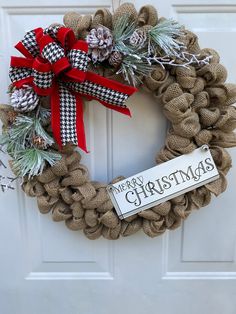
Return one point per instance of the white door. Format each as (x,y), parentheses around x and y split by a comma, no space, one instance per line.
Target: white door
(46,268)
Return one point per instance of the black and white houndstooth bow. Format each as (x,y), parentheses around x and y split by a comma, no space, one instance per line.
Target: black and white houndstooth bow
(55,64)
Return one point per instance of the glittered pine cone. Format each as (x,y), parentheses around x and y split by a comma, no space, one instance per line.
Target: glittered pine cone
(24,99)
(115,58)
(100,42)
(139,38)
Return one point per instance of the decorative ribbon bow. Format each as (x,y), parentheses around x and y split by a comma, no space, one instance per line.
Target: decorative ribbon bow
(56,64)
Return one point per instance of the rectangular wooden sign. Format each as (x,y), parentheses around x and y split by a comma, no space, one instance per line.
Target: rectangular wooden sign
(163,182)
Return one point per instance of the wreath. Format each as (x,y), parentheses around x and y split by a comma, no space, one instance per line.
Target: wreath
(107,57)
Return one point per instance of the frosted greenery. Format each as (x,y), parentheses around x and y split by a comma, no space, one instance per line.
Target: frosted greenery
(164,37)
(17,139)
(32,161)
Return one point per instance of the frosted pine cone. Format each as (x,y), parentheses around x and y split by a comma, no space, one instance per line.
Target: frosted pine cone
(138,38)
(39,142)
(100,42)
(115,58)
(24,99)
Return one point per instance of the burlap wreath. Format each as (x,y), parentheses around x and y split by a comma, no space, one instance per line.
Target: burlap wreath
(198,105)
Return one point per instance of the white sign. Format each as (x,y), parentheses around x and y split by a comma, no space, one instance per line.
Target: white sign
(163,182)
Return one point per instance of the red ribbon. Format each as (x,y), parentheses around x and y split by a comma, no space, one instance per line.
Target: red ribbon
(56,64)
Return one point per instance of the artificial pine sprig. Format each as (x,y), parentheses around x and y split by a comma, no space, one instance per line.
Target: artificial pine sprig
(25,127)
(28,159)
(164,38)
(133,65)
(122,32)
(32,161)
(133,68)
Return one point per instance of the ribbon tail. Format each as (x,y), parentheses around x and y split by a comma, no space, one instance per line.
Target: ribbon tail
(80,130)
(67,117)
(55,115)
(123,110)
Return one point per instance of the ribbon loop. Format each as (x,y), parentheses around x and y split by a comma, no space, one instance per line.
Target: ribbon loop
(43,77)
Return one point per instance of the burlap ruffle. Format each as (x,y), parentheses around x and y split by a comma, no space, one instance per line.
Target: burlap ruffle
(196,101)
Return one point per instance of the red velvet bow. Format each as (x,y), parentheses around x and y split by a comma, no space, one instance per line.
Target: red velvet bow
(56,64)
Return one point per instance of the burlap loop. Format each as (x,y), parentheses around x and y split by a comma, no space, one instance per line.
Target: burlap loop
(112,233)
(218,186)
(213,73)
(227,120)
(77,210)
(79,24)
(201,100)
(75,223)
(110,219)
(126,9)
(102,17)
(156,78)
(153,228)
(209,116)
(186,77)
(198,87)
(179,144)
(93,232)
(129,228)
(199,197)
(60,168)
(45,203)
(66,194)
(221,158)
(76,177)
(61,211)
(96,201)
(180,205)
(191,42)
(163,208)
(46,176)
(173,91)
(147,16)
(52,187)
(223,139)
(87,191)
(215,58)
(33,188)
(91,217)
(179,108)
(4,113)
(71,20)
(172,221)
(149,214)
(203,137)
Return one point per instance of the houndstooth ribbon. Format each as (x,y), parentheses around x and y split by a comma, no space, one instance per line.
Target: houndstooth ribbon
(55,64)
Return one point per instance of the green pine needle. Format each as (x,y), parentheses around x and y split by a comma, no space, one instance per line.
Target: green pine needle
(17,139)
(122,31)
(22,128)
(43,115)
(165,36)
(13,146)
(31,162)
(25,127)
(133,68)
(39,130)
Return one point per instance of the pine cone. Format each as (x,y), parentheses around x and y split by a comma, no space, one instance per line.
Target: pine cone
(24,99)
(138,38)
(39,142)
(100,42)
(115,58)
